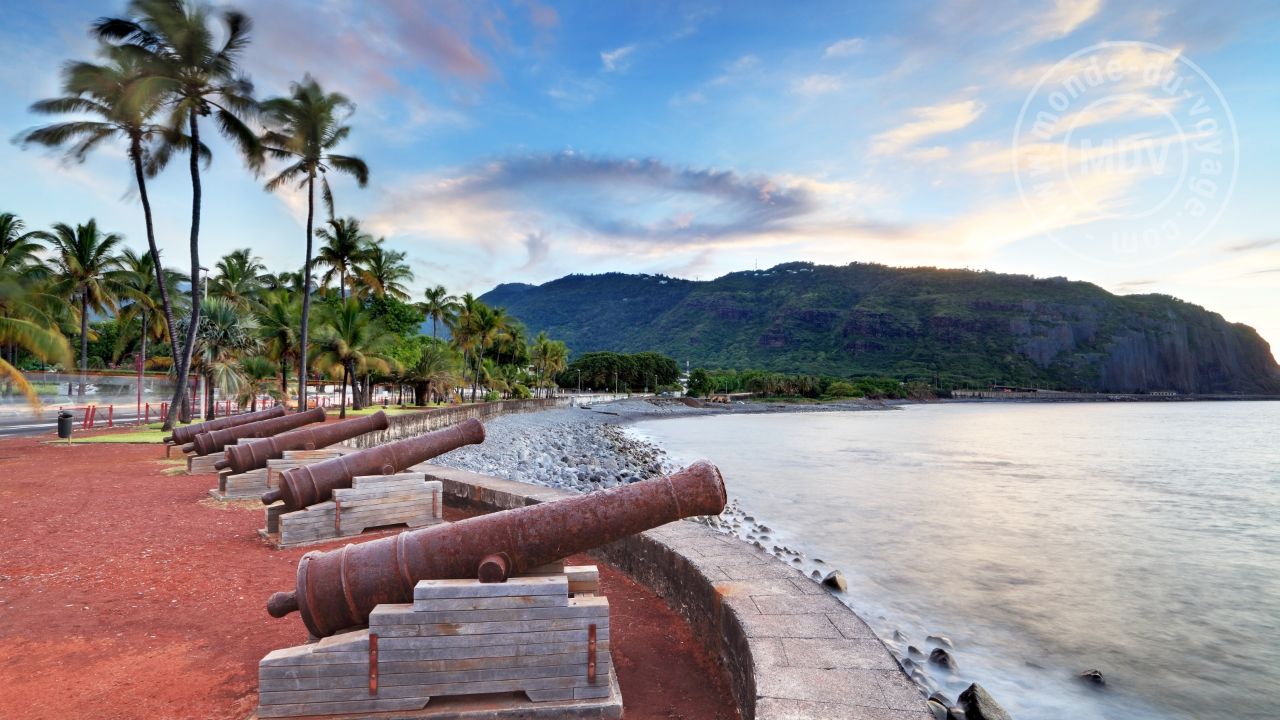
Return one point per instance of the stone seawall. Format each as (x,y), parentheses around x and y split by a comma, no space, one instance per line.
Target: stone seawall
(791,650)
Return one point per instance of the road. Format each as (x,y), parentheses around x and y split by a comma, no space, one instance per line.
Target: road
(13,425)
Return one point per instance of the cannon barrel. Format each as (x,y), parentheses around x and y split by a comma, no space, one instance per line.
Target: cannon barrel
(339,588)
(184,433)
(211,442)
(314,483)
(253,455)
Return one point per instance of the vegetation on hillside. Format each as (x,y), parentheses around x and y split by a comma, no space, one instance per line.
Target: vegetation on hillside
(947,328)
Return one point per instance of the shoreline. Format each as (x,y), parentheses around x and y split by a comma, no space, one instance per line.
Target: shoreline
(587,448)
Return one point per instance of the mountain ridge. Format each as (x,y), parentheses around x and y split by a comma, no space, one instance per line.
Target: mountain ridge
(965,327)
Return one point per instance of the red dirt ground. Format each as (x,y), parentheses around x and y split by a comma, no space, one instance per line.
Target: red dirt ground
(127,593)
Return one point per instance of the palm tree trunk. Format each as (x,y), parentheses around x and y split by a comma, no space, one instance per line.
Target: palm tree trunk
(342,411)
(84,339)
(135,152)
(209,410)
(189,344)
(342,285)
(355,389)
(306,296)
(284,377)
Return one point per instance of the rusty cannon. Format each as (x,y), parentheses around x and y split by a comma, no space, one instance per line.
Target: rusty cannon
(211,442)
(184,434)
(311,484)
(253,455)
(339,588)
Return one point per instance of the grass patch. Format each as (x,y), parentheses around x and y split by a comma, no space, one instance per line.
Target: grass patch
(148,436)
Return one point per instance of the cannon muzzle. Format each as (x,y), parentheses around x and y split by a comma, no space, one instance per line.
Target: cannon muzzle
(211,442)
(339,588)
(185,433)
(253,455)
(314,483)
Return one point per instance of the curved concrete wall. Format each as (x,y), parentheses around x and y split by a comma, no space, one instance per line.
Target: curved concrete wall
(792,651)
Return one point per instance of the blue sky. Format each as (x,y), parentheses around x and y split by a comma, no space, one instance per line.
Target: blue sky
(521,141)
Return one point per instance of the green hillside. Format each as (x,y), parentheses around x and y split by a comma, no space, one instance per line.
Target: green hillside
(964,327)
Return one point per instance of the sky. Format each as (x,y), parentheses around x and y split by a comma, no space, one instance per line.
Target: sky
(1130,144)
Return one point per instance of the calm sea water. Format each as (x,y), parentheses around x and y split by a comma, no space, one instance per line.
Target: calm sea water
(1140,539)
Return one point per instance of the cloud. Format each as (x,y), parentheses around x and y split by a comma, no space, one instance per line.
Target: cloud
(844,48)
(1251,245)
(616,60)
(818,84)
(930,121)
(1063,19)
(538,247)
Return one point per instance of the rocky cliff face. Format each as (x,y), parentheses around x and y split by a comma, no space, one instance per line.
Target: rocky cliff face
(962,327)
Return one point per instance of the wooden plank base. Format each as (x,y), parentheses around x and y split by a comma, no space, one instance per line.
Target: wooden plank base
(529,636)
(374,501)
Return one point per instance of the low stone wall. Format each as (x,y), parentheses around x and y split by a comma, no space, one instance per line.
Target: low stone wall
(416,423)
(791,650)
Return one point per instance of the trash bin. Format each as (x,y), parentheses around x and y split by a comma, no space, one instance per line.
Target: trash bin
(64,425)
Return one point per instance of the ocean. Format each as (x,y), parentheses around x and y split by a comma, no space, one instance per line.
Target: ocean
(1138,539)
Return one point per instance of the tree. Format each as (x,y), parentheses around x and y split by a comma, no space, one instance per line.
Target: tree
(125,102)
(700,384)
(139,296)
(20,249)
(87,271)
(383,273)
(343,251)
(435,372)
(303,129)
(20,264)
(279,315)
(549,357)
(352,341)
(239,278)
(198,78)
(259,375)
(25,325)
(225,334)
(439,306)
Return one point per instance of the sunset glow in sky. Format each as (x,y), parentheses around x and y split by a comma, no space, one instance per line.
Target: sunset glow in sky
(522,141)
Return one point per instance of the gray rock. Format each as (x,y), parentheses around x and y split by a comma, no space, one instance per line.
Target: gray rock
(914,652)
(942,640)
(941,699)
(978,704)
(835,580)
(942,658)
(939,711)
(1093,677)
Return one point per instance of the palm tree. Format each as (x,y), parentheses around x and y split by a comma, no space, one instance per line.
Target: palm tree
(259,374)
(198,78)
(239,277)
(125,104)
(464,329)
(24,325)
(139,294)
(549,357)
(383,272)
(225,334)
(342,253)
(20,249)
(304,129)
(19,262)
(440,306)
(351,340)
(435,372)
(278,318)
(87,271)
